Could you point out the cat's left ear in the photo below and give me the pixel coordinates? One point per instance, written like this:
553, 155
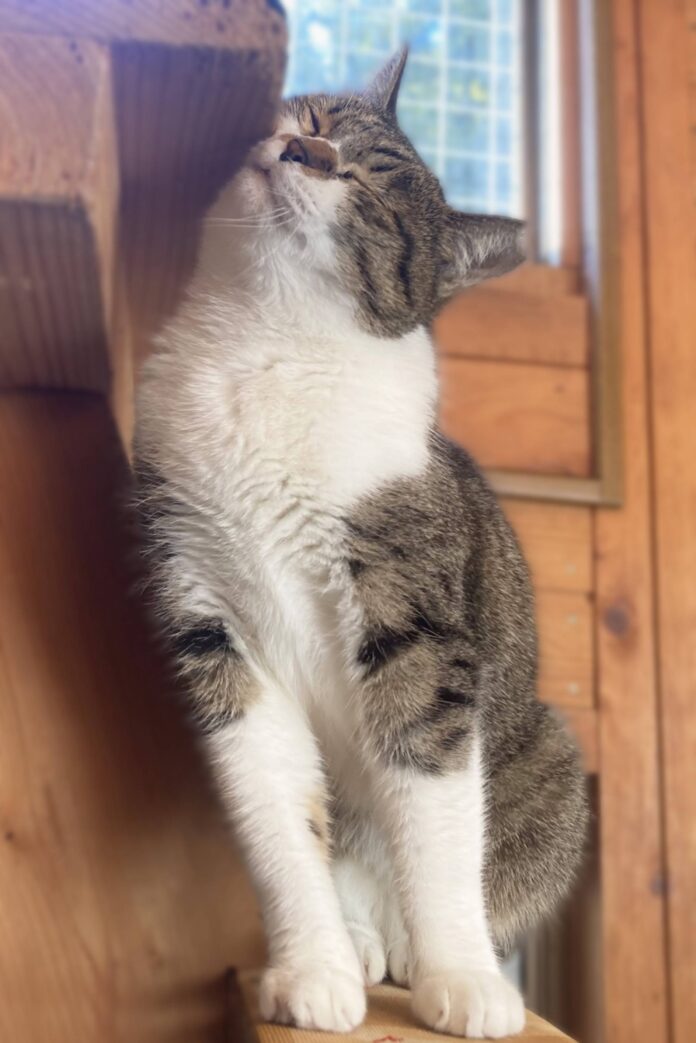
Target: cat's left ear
477, 247
384, 89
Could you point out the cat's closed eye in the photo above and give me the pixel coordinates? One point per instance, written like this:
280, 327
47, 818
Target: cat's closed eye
313, 122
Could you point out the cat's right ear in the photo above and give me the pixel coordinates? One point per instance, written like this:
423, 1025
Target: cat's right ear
477, 247
384, 89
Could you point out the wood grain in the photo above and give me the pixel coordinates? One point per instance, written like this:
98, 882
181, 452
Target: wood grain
58, 197
549, 280
122, 898
667, 69
566, 652
388, 1017
584, 725
229, 24
49, 112
557, 541
524, 327
168, 135
633, 902
204, 109
527, 418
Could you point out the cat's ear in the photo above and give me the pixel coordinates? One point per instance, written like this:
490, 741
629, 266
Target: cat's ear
477, 247
384, 89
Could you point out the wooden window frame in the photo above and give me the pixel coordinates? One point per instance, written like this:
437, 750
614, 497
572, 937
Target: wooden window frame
589, 250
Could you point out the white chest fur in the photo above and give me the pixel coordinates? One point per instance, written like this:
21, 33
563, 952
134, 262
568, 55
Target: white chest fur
274, 432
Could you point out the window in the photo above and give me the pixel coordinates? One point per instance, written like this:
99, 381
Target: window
463, 100
510, 102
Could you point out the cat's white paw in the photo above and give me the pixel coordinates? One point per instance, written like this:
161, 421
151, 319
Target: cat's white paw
315, 997
475, 1004
369, 948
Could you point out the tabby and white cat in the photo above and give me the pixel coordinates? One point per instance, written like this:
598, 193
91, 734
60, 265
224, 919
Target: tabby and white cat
344, 598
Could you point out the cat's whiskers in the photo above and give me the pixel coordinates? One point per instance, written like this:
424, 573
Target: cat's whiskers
251, 220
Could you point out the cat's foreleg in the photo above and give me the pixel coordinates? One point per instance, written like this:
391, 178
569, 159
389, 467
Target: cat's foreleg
267, 767
436, 826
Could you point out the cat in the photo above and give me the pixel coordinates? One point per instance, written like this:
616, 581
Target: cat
344, 599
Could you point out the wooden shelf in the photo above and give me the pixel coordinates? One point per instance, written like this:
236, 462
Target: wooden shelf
389, 1020
139, 113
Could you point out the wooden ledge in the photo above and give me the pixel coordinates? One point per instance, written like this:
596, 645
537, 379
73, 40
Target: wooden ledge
232, 25
389, 1020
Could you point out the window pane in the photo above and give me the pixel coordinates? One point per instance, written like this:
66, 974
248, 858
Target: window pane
367, 33
421, 83
469, 87
460, 99
479, 10
421, 123
468, 132
469, 43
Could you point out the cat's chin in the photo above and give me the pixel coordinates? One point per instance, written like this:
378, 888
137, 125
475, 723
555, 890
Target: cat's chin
252, 193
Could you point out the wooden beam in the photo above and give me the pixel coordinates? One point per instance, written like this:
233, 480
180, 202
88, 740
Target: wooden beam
234, 24
633, 902
58, 198
109, 156
185, 119
668, 69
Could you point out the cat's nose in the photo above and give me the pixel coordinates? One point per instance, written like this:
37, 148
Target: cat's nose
312, 153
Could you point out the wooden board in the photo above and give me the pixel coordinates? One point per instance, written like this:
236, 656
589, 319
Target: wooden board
566, 652
524, 327
518, 417
545, 279
204, 109
668, 71
162, 118
584, 725
633, 900
233, 24
388, 1020
58, 198
122, 899
557, 541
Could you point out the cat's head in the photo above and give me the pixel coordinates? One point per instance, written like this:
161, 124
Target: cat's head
339, 189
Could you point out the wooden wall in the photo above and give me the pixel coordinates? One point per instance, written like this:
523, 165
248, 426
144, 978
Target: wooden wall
127, 901
638, 647
668, 54
122, 899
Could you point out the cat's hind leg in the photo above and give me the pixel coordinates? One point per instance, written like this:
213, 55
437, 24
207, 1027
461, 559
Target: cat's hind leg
362, 903
371, 910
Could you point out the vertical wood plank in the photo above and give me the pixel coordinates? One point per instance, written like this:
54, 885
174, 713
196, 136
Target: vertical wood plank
633, 927
671, 227
122, 902
58, 198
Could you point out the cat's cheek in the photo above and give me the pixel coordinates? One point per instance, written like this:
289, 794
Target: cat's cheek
253, 192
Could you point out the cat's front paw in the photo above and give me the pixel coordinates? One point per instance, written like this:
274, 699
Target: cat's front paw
476, 1004
316, 997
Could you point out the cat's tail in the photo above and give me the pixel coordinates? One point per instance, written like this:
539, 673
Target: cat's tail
537, 825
